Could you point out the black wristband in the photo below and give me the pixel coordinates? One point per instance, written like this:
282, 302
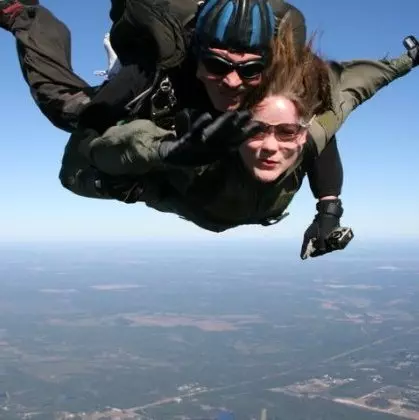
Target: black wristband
331, 207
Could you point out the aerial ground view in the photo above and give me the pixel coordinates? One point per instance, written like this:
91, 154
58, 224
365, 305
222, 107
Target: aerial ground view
140, 331
112, 306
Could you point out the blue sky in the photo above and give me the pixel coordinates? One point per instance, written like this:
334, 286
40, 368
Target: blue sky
379, 143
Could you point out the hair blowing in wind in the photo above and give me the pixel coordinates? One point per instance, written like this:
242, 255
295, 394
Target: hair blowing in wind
296, 73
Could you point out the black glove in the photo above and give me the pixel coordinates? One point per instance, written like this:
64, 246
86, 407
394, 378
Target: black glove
121, 188
326, 220
207, 140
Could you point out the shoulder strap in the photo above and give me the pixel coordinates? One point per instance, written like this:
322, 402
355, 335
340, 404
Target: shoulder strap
135, 104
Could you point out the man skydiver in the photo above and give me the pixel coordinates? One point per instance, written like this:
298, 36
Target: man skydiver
62, 96
197, 172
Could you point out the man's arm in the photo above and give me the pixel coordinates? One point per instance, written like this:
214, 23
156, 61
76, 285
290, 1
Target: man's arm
353, 83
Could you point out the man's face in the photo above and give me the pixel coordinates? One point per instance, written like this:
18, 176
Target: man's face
272, 152
226, 85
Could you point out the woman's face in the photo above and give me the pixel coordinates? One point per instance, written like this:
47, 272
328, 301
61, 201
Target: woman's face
270, 153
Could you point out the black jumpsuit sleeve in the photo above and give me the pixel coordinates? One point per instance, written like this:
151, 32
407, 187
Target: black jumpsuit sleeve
108, 106
325, 174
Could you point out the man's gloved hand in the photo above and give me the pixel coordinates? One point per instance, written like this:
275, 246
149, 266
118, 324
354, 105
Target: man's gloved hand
326, 220
121, 188
207, 140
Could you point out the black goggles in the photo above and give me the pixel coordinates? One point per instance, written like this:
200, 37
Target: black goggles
220, 66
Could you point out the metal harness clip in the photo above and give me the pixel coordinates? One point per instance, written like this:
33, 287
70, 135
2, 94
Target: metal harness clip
163, 103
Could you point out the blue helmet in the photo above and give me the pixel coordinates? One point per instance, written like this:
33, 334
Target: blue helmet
241, 25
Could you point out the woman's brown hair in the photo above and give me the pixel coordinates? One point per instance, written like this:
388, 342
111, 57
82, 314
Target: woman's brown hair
296, 73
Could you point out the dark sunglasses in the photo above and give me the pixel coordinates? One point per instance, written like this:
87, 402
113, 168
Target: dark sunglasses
220, 66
